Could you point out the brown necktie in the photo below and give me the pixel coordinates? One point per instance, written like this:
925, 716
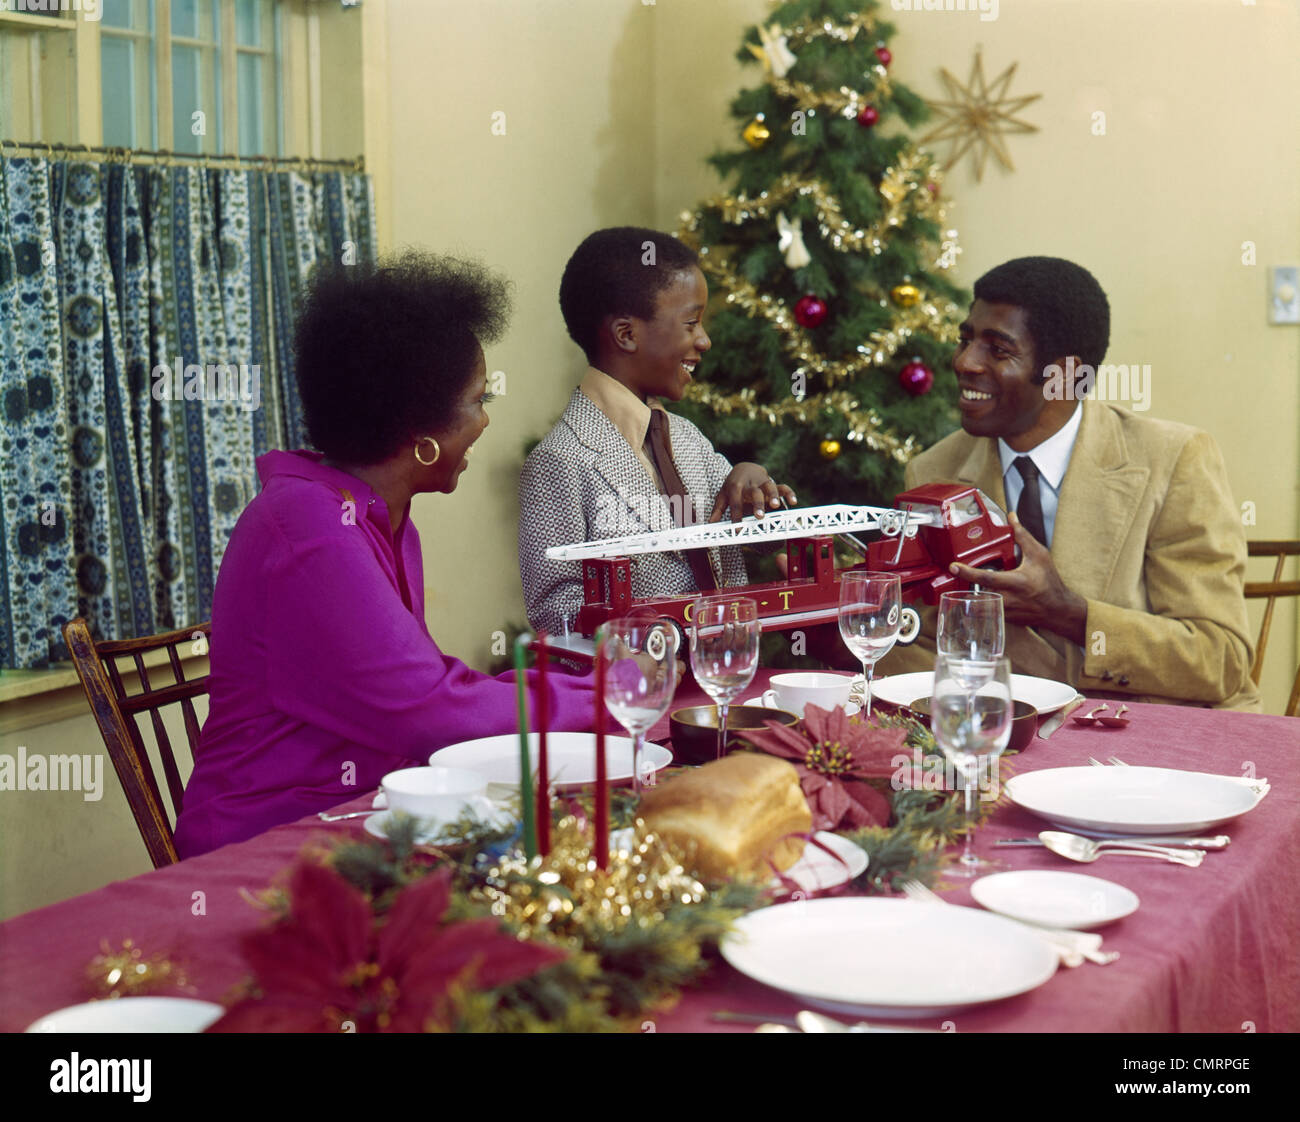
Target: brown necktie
661, 453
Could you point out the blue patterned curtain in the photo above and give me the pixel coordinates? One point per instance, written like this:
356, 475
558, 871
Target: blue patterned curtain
146, 360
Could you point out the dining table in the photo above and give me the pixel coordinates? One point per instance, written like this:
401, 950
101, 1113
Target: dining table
1209, 949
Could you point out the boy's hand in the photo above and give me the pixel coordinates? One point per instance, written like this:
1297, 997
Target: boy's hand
749, 486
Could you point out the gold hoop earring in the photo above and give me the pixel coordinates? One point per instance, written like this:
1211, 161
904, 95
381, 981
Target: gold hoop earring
437, 451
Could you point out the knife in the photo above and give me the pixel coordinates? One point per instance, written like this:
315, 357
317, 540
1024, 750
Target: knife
1219, 842
1056, 720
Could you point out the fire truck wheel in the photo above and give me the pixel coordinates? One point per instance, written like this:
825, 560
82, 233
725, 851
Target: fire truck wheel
910, 627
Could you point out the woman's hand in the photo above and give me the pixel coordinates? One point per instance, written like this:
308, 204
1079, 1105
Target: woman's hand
750, 486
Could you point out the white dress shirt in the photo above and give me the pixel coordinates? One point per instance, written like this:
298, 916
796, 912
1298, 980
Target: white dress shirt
1051, 458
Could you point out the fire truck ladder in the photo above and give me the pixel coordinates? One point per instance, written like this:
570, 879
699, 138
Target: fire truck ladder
782, 524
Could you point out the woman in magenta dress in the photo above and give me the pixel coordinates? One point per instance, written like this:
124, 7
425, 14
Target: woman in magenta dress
324, 674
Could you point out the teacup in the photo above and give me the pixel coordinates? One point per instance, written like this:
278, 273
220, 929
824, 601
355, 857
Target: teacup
437, 795
793, 691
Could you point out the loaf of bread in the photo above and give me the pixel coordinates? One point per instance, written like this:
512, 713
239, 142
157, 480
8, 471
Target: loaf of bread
731, 817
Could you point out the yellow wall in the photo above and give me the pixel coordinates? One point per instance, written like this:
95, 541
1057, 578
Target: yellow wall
611, 106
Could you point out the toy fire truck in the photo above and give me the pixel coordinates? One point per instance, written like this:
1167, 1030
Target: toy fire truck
931, 527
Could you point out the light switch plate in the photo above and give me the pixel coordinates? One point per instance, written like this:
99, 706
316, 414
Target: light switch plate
1284, 294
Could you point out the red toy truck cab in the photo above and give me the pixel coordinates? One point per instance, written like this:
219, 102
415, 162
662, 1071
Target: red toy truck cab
963, 525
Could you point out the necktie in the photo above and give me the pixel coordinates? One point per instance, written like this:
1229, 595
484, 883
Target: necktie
662, 454
1030, 508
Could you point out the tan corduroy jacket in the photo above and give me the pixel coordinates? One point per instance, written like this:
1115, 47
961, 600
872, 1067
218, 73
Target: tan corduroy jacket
1148, 533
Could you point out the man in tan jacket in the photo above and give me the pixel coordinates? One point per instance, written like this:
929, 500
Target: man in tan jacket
1133, 554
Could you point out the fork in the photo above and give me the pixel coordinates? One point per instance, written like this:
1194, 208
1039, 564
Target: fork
1072, 947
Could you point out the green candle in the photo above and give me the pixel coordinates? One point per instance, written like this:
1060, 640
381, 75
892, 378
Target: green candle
525, 762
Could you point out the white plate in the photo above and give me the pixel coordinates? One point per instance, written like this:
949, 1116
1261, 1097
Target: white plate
873, 957
377, 827
132, 1014
1042, 693
1131, 800
817, 870
1053, 899
571, 755
850, 708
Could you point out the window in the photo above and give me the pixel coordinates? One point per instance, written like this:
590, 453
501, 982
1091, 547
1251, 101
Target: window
256, 49
196, 76
126, 74
963, 510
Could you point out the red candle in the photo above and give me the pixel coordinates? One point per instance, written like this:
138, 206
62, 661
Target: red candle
543, 794
602, 778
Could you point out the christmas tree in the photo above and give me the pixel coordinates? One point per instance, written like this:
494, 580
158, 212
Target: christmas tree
827, 262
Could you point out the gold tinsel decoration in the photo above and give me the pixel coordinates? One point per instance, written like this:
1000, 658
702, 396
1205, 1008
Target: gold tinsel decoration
909, 178
566, 895
129, 972
866, 426
932, 318
845, 101
856, 24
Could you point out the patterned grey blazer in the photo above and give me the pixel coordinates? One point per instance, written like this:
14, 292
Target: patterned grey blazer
583, 482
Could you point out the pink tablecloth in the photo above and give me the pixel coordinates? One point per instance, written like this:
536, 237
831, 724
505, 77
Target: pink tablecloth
1209, 950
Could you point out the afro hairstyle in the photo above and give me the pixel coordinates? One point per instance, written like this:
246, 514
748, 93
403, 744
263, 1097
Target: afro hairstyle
384, 351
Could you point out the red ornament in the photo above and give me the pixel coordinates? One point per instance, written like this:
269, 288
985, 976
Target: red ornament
916, 378
868, 116
885, 57
810, 310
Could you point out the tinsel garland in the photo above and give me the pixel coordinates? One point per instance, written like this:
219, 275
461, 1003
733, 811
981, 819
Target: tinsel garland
908, 179
865, 426
881, 345
856, 24
845, 101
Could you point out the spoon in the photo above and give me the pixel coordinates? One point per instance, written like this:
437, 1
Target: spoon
1090, 718
1118, 721
1077, 848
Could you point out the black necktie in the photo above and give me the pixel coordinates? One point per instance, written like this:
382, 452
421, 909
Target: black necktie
1030, 508
661, 453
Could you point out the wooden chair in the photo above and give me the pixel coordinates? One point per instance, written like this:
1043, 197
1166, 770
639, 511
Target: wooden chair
115, 713
1270, 591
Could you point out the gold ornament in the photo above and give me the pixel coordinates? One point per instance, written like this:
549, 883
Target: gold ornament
756, 133
829, 449
978, 115
905, 295
566, 895
127, 972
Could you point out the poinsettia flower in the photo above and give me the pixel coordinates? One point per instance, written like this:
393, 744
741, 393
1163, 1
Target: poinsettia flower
835, 757
328, 964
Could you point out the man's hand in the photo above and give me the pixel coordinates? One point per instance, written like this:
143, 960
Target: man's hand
750, 486
1033, 594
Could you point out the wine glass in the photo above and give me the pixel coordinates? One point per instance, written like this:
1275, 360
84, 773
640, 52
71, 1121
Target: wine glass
970, 629
870, 615
640, 678
971, 727
724, 651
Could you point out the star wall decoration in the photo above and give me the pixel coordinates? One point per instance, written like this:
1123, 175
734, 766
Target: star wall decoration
978, 117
